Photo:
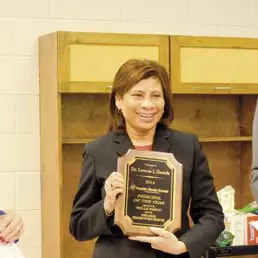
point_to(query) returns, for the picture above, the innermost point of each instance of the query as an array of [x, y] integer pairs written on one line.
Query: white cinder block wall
[[22, 22]]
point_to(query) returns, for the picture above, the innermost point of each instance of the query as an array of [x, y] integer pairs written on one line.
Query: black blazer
[[89, 221]]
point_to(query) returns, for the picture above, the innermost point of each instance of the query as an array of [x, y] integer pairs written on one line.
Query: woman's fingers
[[11, 227], [113, 193], [114, 186], [115, 180], [117, 184], [110, 199], [161, 232], [14, 233], [116, 177], [5, 221]]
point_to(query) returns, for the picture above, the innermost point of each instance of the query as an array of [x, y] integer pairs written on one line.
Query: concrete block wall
[[22, 22]]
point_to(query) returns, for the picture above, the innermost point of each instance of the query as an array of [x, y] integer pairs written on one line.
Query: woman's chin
[[145, 127]]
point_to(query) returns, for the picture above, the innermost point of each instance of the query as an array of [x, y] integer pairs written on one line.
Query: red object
[[251, 232], [147, 147]]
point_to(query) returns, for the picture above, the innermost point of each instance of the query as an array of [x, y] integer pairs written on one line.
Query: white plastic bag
[[10, 251]]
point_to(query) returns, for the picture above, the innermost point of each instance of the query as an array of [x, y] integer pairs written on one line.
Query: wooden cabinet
[[224, 126], [208, 65], [89, 61], [76, 71], [215, 86]]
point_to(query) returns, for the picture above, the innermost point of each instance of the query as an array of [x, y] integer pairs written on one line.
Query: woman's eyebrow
[[142, 91]]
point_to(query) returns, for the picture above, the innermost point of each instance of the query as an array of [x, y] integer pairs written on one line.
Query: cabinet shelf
[[86, 87], [226, 139], [83, 140]]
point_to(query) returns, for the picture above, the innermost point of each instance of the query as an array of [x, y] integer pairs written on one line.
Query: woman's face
[[142, 106]]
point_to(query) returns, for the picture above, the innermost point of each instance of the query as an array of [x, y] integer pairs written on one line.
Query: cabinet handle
[[222, 89]]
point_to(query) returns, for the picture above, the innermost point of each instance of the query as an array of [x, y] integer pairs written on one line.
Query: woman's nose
[[147, 102]]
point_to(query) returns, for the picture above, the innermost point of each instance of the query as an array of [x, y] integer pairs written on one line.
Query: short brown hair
[[129, 74]]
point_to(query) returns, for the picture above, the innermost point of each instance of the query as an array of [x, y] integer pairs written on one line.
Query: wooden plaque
[[153, 192]]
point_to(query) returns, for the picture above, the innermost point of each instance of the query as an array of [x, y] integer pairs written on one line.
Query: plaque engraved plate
[[153, 192]]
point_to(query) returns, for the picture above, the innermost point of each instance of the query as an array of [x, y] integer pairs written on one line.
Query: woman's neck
[[141, 138]]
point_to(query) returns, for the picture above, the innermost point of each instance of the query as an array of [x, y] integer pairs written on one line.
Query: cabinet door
[[214, 65], [89, 61]]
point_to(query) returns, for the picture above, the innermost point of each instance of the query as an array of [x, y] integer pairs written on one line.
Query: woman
[[140, 108], [11, 227], [254, 176]]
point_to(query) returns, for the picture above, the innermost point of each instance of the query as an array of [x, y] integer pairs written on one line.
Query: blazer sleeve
[[254, 174], [88, 219], [205, 209]]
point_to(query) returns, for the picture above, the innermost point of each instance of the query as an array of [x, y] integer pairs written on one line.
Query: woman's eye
[[137, 95]]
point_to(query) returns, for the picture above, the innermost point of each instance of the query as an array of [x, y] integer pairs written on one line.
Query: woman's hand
[[114, 185], [164, 241], [11, 227]]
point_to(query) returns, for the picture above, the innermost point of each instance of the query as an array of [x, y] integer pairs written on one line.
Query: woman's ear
[[118, 99]]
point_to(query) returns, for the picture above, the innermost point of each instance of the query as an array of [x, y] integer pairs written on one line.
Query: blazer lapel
[[162, 140], [122, 142]]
